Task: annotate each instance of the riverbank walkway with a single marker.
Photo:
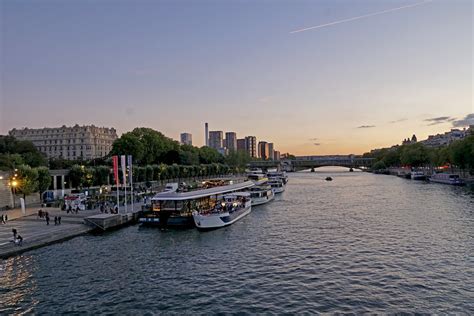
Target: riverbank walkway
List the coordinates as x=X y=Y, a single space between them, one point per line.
x=36 y=233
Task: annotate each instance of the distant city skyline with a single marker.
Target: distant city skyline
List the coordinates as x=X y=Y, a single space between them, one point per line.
x=373 y=75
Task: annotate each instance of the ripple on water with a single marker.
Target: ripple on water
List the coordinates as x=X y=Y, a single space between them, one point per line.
x=362 y=243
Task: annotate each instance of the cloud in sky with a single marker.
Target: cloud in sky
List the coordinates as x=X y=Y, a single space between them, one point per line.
x=312 y=139
x=360 y=17
x=317 y=144
x=366 y=126
x=439 y=120
x=398 y=121
x=466 y=121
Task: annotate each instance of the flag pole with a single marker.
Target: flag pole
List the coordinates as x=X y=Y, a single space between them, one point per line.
x=124 y=173
x=115 y=165
x=130 y=179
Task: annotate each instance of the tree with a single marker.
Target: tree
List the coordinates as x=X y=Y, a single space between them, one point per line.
x=379 y=165
x=76 y=175
x=461 y=153
x=129 y=144
x=414 y=155
x=27 y=180
x=209 y=155
x=44 y=180
x=29 y=154
x=101 y=175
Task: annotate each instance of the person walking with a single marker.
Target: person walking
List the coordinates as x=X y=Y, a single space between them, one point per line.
x=47 y=219
x=6 y=218
x=59 y=220
x=2 y=219
x=14 y=233
x=55 y=220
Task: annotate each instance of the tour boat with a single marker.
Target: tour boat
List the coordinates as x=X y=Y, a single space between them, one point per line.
x=175 y=209
x=446 y=178
x=261 y=194
x=232 y=207
x=418 y=175
x=277 y=185
x=278 y=174
x=257 y=178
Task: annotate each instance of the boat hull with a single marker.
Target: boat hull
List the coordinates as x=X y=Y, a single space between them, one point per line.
x=215 y=221
x=278 y=190
x=262 y=200
x=442 y=181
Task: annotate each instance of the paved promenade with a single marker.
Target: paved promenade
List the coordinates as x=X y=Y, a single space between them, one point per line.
x=36 y=233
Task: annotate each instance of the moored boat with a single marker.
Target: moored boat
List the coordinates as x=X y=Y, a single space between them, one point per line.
x=418 y=175
x=446 y=178
x=175 y=209
x=279 y=175
x=232 y=207
x=261 y=194
x=276 y=185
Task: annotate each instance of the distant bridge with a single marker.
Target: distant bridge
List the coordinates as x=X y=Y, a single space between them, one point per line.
x=312 y=162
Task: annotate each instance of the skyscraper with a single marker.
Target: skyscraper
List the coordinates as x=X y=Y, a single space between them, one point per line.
x=251 y=146
x=216 y=140
x=270 y=151
x=186 y=139
x=241 y=144
x=263 y=150
x=231 y=141
x=206 y=134
x=276 y=155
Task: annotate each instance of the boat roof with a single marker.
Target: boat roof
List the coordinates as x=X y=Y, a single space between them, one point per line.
x=182 y=196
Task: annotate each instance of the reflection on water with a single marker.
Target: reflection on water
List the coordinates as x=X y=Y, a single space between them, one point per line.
x=361 y=243
x=17 y=285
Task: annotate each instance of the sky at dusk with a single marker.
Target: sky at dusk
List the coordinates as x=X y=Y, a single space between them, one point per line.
x=173 y=65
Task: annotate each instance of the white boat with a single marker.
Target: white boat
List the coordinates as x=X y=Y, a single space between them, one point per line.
x=257 y=178
x=418 y=175
x=277 y=185
x=279 y=175
x=446 y=178
x=175 y=209
x=232 y=208
x=261 y=194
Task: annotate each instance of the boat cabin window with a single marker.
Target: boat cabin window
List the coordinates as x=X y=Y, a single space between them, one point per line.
x=454 y=176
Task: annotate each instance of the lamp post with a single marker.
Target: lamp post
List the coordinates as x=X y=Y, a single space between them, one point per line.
x=14 y=184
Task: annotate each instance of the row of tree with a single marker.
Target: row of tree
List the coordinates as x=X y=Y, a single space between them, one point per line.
x=27 y=180
x=83 y=177
x=14 y=152
x=459 y=154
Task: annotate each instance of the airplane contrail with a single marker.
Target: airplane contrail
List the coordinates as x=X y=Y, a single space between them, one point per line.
x=361 y=17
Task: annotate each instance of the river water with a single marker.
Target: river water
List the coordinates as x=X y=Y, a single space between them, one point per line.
x=361 y=243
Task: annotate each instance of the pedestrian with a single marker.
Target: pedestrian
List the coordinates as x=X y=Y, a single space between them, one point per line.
x=14 y=233
x=3 y=219
x=6 y=218
x=59 y=220
x=102 y=208
x=19 y=240
x=47 y=219
x=55 y=220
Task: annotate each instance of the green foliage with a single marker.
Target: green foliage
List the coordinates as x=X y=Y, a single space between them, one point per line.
x=44 y=179
x=237 y=159
x=11 y=150
x=379 y=165
x=461 y=153
x=101 y=175
x=27 y=180
x=414 y=155
x=77 y=176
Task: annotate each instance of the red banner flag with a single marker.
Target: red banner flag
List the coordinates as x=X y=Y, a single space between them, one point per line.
x=116 y=175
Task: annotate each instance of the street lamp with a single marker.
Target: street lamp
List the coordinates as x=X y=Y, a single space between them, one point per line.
x=14 y=184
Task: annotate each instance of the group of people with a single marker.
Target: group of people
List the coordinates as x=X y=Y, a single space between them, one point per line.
x=4 y=218
x=45 y=215
x=107 y=208
x=70 y=209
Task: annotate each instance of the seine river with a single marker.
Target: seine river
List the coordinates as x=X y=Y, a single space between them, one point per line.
x=361 y=243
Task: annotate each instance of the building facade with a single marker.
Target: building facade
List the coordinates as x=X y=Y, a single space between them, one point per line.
x=276 y=155
x=241 y=144
x=271 y=151
x=72 y=143
x=186 y=139
x=216 y=139
x=231 y=141
x=263 y=150
x=251 y=146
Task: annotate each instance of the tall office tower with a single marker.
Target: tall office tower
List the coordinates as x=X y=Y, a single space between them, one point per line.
x=251 y=146
x=241 y=144
x=216 y=139
x=186 y=139
x=231 y=141
x=206 y=134
x=263 y=150
x=276 y=155
x=270 y=151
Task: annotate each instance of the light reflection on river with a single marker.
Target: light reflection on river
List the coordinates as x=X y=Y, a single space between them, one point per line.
x=361 y=243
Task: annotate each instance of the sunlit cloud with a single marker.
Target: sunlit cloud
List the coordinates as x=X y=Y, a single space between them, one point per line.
x=468 y=120
x=439 y=120
x=313 y=139
x=317 y=144
x=366 y=126
x=360 y=17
